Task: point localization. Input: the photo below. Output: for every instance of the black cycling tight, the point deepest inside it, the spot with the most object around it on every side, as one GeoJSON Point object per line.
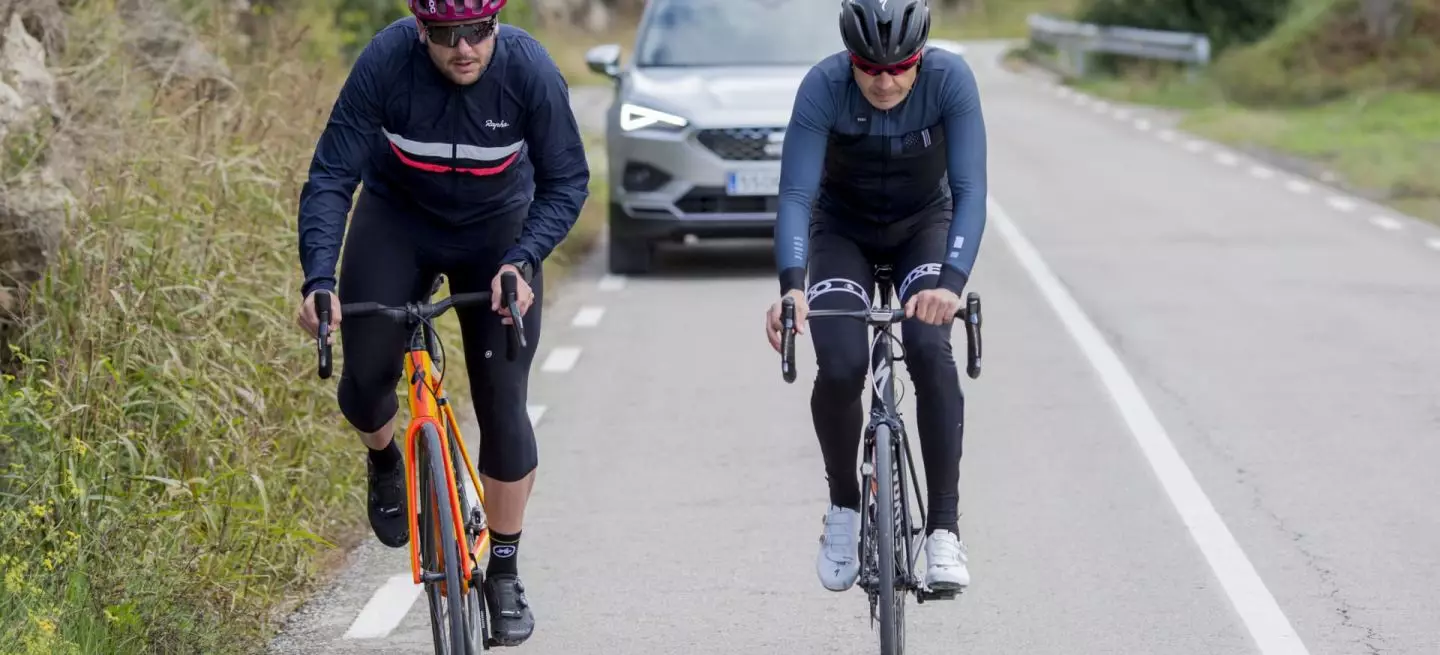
{"type": "Point", "coordinates": [914, 249]}
{"type": "Point", "coordinates": [391, 258]}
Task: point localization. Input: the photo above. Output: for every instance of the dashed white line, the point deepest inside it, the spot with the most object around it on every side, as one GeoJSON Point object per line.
{"type": "Point", "coordinates": [535, 412]}
{"type": "Point", "coordinates": [1262, 172]}
{"type": "Point", "coordinates": [1167, 135]}
{"type": "Point", "coordinates": [561, 359]}
{"type": "Point", "coordinates": [1194, 146]}
{"type": "Point", "coordinates": [1297, 186]}
{"type": "Point", "coordinates": [1341, 203]}
{"type": "Point", "coordinates": [612, 282]}
{"type": "Point", "coordinates": [1142, 124]}
{"type": "Point", "coordinates": [1101, 106]}
{"type": "Point", "coordinates": [1226, 159]}
{"type": "Point", "coordinates": [1386, 223]}
{"type": "Point", "coordinates": [588, 317]}
{"type": "Point", "coordinates": [1433, 243]}
{"type": "Point", "coordinates": [1263, 618]}
{"type": "Point", "coordinates": [386, 609]}
{"type": "Point", "coordinates": [1121, 114]}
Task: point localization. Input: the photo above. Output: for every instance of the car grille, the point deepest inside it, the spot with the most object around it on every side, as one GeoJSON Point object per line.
{"type": "Point", "coordinates": [743, 143]}
{"type": "Point", "coordinates": [713, 200]}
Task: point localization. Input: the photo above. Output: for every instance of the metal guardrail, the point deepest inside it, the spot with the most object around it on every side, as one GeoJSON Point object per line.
{"type": "Point", "coordinates": [1076, 41]}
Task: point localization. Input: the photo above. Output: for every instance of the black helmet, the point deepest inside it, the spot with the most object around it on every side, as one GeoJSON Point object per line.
{"type": "Point", "coordinates": [884, 32]}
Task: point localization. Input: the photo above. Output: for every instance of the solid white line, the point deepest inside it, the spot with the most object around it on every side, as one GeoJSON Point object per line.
{"type": "Point", "coordinates": [1262, 172]}
{"type": "Point", "coordinates": [385, 609]}
{"type": "Point", "coordinates": [588, 316]}
{"type": "Point", "coordinates": [561, 359]}
{"type": "Point", "coordinates": [1297, 186]}
{"type": "Point", "coordinates": [1342, 203]}
{"type": "Point", "coordinates": [1433, 242]}
{"type": "Point", "coordinates": [1386, 223]}
{"type": "Point", "coordinates": [612, 282]}
{"type": "Point", "coordinates": [535, 412]}
{"type": "Point", "coordinates": [1267, 624]}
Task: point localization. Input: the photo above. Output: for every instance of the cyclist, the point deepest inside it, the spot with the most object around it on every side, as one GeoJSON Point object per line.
{"type": "Point", "coordinates": [888, 141]}
{"type": "Point", "coordinates": [453, 122]}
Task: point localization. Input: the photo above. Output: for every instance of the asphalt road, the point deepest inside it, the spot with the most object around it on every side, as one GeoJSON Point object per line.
{"type": "Point", "coordinates": [1206, 425]}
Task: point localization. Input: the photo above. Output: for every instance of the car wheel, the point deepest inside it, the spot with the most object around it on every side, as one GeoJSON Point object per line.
{"type": "Point", "coordinates": [627, 255]}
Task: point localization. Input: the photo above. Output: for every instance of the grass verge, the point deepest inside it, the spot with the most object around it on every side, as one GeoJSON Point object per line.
{"type": "Point", "coordinates": [173, 475]}
{"type": "Point", "coordinates": [995, 19]}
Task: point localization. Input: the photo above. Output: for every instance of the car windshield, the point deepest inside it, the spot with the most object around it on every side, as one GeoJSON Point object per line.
{"type": "Point", "coordinates": [739, 33]}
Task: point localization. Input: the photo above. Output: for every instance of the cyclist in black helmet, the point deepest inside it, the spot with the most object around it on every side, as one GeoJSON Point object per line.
{"type": "Point", "coordinates": [887, 141]}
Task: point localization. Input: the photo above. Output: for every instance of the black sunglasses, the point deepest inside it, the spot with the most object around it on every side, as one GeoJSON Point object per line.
{"type": "Point", "coordinates": [450, 35]}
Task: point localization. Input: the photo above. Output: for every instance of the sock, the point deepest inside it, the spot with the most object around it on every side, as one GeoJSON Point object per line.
{"type": "Point", "coordinates": [387, 458]}
{"type": "Point", "coordinates": [504, 549]}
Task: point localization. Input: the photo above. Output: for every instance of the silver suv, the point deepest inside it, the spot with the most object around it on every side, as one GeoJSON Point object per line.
{"type": "Point", "coordinates": [694, 135]}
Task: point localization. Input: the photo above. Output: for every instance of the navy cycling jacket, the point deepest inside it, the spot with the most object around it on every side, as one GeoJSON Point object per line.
{"type": "Point", "coordinates": [444, 152]}
{"type": "Point", "coordinates": [884, 166]}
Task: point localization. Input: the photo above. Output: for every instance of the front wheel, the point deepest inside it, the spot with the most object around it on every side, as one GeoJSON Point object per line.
{"type": "Point", "coordinates": [438, 550]}
{"type": "Point", "coordinates": [892, 614]}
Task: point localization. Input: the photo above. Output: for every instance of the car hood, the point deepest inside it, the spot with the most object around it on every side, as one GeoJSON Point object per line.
{"type": "Point", "coordinates": [751, 95]}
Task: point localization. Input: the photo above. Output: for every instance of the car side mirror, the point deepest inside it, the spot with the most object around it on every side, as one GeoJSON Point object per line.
{"type": "Point", "coordinates": [604, 59]}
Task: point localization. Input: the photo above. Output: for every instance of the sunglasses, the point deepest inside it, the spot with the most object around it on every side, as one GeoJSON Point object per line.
{"type": "Point", "coordinates": [873, 69]}
{"type": "Point", "coordinates": [450, 35]}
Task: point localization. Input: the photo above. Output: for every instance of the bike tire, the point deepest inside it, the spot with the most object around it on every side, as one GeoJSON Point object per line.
{"type": "Point", "coordinates": [891, 621]}
{"type": "Point", "coordinates": [447, 612]}
{"type": "Point", "coordinates": [476, 620]}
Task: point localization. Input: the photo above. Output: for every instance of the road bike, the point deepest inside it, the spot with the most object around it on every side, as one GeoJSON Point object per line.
{"type": "Point", "coordinates": [445, 556]}
{"type": "Point", "coordinates": [887, 462]}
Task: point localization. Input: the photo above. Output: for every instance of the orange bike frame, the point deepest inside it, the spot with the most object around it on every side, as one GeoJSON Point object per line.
{"type": "Point", "coordinates": [425, 408]}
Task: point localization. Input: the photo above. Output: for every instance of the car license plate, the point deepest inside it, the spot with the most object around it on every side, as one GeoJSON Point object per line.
{"type": "Point", "coordinates": [753, 183]}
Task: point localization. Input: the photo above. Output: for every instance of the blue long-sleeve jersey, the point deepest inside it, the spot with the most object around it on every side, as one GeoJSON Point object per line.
{"type": "Point", "coordinates": [884, 166]}
{"type": "Point", "coordinates": [446, 153]}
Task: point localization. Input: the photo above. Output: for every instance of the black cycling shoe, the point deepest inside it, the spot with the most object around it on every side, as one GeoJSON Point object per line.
{"type": "Point", "coordinates": [510, 620]}
{"type": "Point", "coordinates": [386, 503]}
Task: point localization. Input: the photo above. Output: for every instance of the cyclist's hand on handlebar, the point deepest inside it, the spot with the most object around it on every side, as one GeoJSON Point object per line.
{"type": "Point", "coordinates": [772, 318]}
{"type": "Point", "coordinates": [523, 294]}
{"type": "Point", "coordinates": [310, 323]}
{"type": "Point", "coordinates": [933, 306]}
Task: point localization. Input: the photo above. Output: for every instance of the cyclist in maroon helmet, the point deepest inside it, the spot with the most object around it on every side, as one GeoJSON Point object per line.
{"type": "Point", "coordinates": [472, 163]}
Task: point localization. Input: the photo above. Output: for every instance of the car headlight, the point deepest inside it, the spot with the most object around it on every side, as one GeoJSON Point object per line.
{"type": "Point", "coordinates": [635, 117]}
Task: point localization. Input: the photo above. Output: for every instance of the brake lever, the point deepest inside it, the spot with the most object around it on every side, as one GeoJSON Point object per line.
{"type": "Point", "coordinates": [515, 339]}
{"type": "Point", "coordinates": [322, 347]}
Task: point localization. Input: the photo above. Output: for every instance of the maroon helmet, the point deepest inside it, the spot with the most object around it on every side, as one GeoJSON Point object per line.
{"type": "Point", "coordinates": [448, 10]}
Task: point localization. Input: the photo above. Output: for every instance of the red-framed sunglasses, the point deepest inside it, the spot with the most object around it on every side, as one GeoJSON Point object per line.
{"type": "Point", "coordinates": [873, 69]}
{"type": "Point", "coordinates": [450, 35]}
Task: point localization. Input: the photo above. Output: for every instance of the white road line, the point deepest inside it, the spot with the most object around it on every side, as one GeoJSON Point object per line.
{"type": "Point", "coordinates": [1433, 242]}
{"type": "Point", "coordinates": [1297, 186]}
{"type": "Point", "coordinates": [1101, 106]}
{"type": "Point", "coordinates": [1386, 223]}
{"type": "Point", "coordinates": [561, 359]}
{"type": "Point", "coordinates": [386, 609]}
{"type": "Point", "coordinates": [535, 412]}
{"type": "Point", "coordinates": [1194, 146]}
{"type": "Point", "coordinates": [1167, 135]}
{"type": "Point", "coordinates": [588, 317]}
{"type": "Point", "coordinates": [1341, 203]}
{"type": "Point", "coordinates": [1121, 114]}
{"type": "Point", "coordinates": [612, 283]}
{"type": "Point", "coordinates": [1262, 172]}
{"type": "Point", "coordinates": [1142, 124]}
{"type": "Point", "coordinates": [1226, 159]}
{"type": "Point", "coordinates": [1267, 624]}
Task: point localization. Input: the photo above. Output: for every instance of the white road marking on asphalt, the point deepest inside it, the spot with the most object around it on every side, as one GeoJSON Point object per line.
{"type": "Point", "coordinates": [612, 282]}
{"type": "Point", "coordinates": [1226, 159]}
{"type": "Point", "coordinates": [1386, 223]}
{"type": "Point", "coordinates": [1142, 124]}
{"type": "Point", "coordinates": [535, 412]}
{"type": "Point", "coordinates": [1297, 186]}
{"type": "Point", "coordinates": [385, 609]}
{"type": "Point", "coordinates": [1342, 203]}
{"type": "Point", "coordinates": [1254, 603]}
{"type": "Point", "coordinates": [561, 359]}
{"type": "Point", "coordinates": [1194, 146]}
{"type": "Point", "coordinates": [1167, 135]}
{"type": "Point", "coordinates": [1433, 242]}
{"type": "Point", "coordinates": [588, 316]}
{"type": "Point", "coordinates": [1262, 172]}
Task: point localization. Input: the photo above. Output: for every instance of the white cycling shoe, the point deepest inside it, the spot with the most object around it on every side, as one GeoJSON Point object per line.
{"type": "Point", "coordinates": [838, 562]}
{"type": "Point", "coordinates": [945, 559]}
